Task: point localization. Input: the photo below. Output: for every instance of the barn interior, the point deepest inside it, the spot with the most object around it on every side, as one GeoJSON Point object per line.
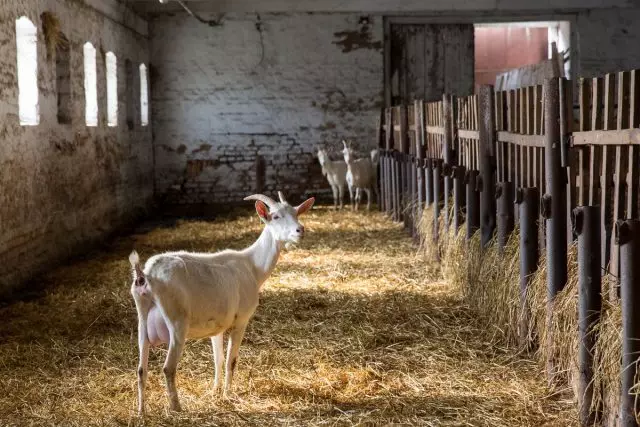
{"type": "Point", "coordinates": [144, 124]}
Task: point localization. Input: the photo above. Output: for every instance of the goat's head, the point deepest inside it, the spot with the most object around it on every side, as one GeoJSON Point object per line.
{"type": "Point", "coordinates": [323, 157]}
{"type": "Point", "coordinates": [347, 151]}
{"type": "Point", "coordinates": [281, 218]}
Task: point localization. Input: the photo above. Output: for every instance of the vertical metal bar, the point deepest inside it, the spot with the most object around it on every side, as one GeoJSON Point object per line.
{"type": "Point", "coordinates": [586, 225]}
{"type": "Point", "coordinates": [459, 196]}
{"type": "Point", "coordinates": [428, 182]}
{"type": "Point", "coordinates": [380, 136]}
{"type": "Point", "coordinates": [554, 204]}
{"type": "Point", "coordinates": [486, 148]}
{"type": "Point", "coordinates": [437, 198]}
{"type": "Point", "coordinates": [473, 203]}
{"type": "Point", "coordinates": [449, 162]}
{"type": "Point", "coordinates": [505, 218]}
{"type": "Point", "coordinates": [419, 124]}
{"type": "Point", "coordinates": [628, 237]}
{"type": "Point", "coordinates": [388, 137]}
{"type": "Point", "coordinates": [554, 201]}
{"type": "Point", "coordinates": [528, 200]}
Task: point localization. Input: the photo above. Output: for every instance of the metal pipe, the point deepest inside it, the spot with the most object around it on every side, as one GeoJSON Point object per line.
{"type": "Point", "coordinates": [428, 182]}
{"type": "Point", "coordinates": [586, 225]}
{"type": "Point", "coordinates": [210, 22]}
{"type": "Point", "coordinates": [505, 218]}
{"type": "Point", "coordinates": [437, 199]}
{"type": "Point", "coordinates": [473, 203]}
{"type": "Point", "coordinates": [459, 196]}
{"type": "Point", "coordinates": [628, 237]}
{"type": "Point", "coordinates": [528, 201]}
{"type": "Point", "coordinates": [554, 206]}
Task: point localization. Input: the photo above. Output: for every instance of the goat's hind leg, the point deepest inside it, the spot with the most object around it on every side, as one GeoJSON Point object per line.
{"type": "Point", "coordinates": [142, 307]}
{"type": "Point", "coordinates": [177, 338]}
{"type": "Point", "coordinates": [334, 189]}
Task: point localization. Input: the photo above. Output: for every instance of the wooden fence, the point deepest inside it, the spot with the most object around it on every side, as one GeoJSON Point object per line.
{"type": "Point", "coordinates": [527, 156]}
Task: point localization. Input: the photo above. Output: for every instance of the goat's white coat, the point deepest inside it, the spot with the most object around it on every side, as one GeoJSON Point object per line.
{"type": "Point", "coordinates": [362, 174]}
{"type": "Point", "coordinates": [184, 295]}
{"type": "Point", "coordinates": [336, 173]}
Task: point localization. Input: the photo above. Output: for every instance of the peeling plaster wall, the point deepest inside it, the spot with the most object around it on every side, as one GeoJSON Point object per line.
{"type": "Point", "coordinates": [273, 86]}
{"type": "Point", "coordinates": [65, 186]}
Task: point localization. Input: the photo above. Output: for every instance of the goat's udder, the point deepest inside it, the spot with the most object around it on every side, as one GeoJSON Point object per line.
{"type": "Point", "coordinates": [157, 331]}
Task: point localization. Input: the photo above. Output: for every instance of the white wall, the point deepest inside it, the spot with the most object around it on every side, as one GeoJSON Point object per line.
{"type": "Point", "coordinates": [222, 95]}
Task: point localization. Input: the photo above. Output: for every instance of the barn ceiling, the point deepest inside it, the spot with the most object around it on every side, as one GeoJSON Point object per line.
{"type": "Point", "coordinates": [146, 7]}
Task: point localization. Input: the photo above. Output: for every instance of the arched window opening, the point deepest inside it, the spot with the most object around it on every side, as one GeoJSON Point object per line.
{"type": "Point", "coordinates": [112, 90]}
{"type": "Point", "coordinates": [27, 54]}
{"type": "Point", "coordinates": [90, 85]}
{"type": "Point", "coordinates": [144, 96]}
{"type": "Point", "coordinates": [63, 80]}
{"type": "Point", "coordinates": [130, 94]}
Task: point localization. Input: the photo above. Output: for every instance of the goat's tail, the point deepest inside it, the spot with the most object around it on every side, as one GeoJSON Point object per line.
{"type": "Point", "coordinates": [138, 274]}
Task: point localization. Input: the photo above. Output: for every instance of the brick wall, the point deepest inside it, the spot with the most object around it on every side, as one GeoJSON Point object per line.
{"type": "Point", "coordinates": [273, 85]}
{"type": "Point", "coordinates": [66, 185]}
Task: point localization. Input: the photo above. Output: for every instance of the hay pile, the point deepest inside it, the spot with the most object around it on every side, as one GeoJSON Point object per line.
{"type": "Point", "coordinates": [488, 280]}
{"type": "Point", "coordinates": [606, 381]}
{"type": "Point", "coordinates": [348, 331]}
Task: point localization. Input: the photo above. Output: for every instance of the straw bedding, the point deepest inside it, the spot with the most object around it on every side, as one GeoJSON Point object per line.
{"type": "Point", "coordinates": [349, 331]}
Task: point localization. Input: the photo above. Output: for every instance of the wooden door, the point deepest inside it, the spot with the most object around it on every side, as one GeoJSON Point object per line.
{"type": "Point", "coordinates": [423, 61]}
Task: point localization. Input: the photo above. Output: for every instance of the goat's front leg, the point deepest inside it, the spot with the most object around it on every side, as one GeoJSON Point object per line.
{"type": "Point", "coordinates": [368, 191]}
{"type": "Point", "coordinates": [177, 337]}
{"type": "Point", "coordinates": [334, 189]}
{"type": "Point", "coordinates": [341, 195]}
{"type": "Point", "coordinates": [217, 343]}
{"type": "Point", "coordinates": [358, 195]}
{"type": "Point", "coordinates": [235, 338]}
{"type": "Point", "coordinates": [142, 307]}
{"type": "Point", "coordinates": [351, 200]}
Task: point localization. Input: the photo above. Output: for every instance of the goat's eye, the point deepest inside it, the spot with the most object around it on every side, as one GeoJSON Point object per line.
{"type": "Point", "coordinates": [275, 217]}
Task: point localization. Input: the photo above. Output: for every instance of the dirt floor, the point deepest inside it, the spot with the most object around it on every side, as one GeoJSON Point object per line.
{"type": "Point", "coordinates": [350, 330]}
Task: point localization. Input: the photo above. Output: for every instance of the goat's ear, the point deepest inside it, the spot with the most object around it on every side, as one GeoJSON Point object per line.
{"type": "Point", "coordinates": [305, 206]}
{"type": "Point", "coordinates": [263, 211]}
{"type": "Point", "coordinates": [344, 143]}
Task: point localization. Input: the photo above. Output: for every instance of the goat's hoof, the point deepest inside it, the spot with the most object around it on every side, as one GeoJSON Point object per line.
{"type": "Point", "coordinates": [175, 407]}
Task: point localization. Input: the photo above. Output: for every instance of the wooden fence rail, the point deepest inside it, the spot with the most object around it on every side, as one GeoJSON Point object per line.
{"type": "Point", "coordinates": [520, 156]}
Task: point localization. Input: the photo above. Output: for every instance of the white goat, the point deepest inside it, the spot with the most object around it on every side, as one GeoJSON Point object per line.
{"type": "Point", "coordinates": [184, 295]}
{"type": "Point", "coordinates": [361, 175]}
{"type": "Point", "coordinates": [335, 171]}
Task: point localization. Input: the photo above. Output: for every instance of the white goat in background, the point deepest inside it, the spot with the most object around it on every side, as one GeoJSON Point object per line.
{"type": "Point", "coordinates": [361, 175]}
{"type": "Point", "coordinates": [185, 295]}
{"type": "Point", "coordinates": [336, 173]}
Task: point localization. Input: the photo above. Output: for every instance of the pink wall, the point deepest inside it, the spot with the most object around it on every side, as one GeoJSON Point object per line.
{"type": "Point", "coordinates": [502, 48]}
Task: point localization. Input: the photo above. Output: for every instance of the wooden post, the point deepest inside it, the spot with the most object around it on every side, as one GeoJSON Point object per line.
{"type": "Point", "coordinates": [388, 192]}
{"type": "Point", "coordinates": [419, 149]}
{"type": "Point", "coordinates": [448, 158]}
{"type": "Point", "coordinates": [380, 136]}
{"type": "Point", "coordinates": [554, 202]}
{"type": "Point", "coordinates": [459, 196]}
{"type": "Point", "coordinates": [487, 179]}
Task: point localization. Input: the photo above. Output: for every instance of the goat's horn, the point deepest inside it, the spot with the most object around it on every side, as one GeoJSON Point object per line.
{"type": "Point", "coordinates": [281, 196]}
{"type": "Point", "coordinates": [267, 200]}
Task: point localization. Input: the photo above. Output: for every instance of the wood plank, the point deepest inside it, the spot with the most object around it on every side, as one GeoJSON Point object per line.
{"type": "Point", "coordinates": [525, 140]}
{"type": "Point", "coordinates": [608, 137]}
{"type": "Point", "coordinates": [435, 130]}
{"type": "Point", "coordinates": [584, 89]}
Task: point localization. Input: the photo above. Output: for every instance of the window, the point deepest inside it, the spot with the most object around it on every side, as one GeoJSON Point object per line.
{"type": "Point", "coordinates": [90, 85]}
{"type": "Point", "coordinates": [112, 90]}
{"type": "Point", "coordinates": [27, 53]}
{"type": "Point", "coordinates": [130, 94]}
{"type": "Point", "coordinates": [144, 96]}
{"type": "Point", "coordinates": [63, 80]}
